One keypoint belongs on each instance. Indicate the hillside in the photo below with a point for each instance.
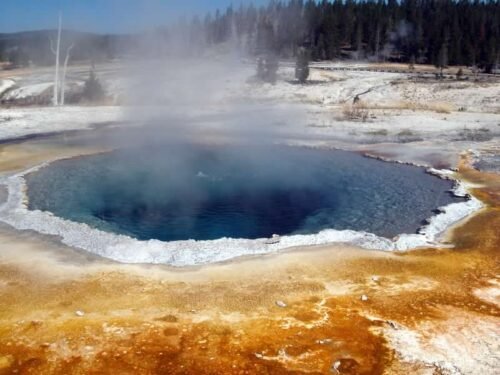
(23, 48)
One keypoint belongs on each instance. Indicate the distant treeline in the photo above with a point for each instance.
(439, 32)
(423, 31)
(34, 47)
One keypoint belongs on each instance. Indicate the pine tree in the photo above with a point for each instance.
(268, 61)
(302, 65)
(411, 64)
(93, 90)
(272, 65)
(442, 59)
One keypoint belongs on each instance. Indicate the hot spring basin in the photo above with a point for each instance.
(182, 192)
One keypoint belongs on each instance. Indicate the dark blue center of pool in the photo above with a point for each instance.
(185, 192)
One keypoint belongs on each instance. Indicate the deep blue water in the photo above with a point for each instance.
(187, 192)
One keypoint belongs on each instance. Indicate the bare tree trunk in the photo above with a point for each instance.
(63, 79)
(56, 52)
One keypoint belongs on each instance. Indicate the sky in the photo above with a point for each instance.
(103, 16)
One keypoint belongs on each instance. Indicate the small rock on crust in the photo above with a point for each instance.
(336, 366)
(345, 366)
(280, 304)
(79, 313)
(364, 298)
(392, 324)
(324, 341)
(274, 239)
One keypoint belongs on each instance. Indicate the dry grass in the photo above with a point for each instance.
(355, 112)
(419, 68)
(363, 111)
(438, 107)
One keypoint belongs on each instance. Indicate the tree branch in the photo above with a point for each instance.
(52, 46)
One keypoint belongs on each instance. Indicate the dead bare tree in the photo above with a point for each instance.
(65, 68)
(56, 51)
(60, 82)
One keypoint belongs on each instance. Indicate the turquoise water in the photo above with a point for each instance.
(186, 192)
